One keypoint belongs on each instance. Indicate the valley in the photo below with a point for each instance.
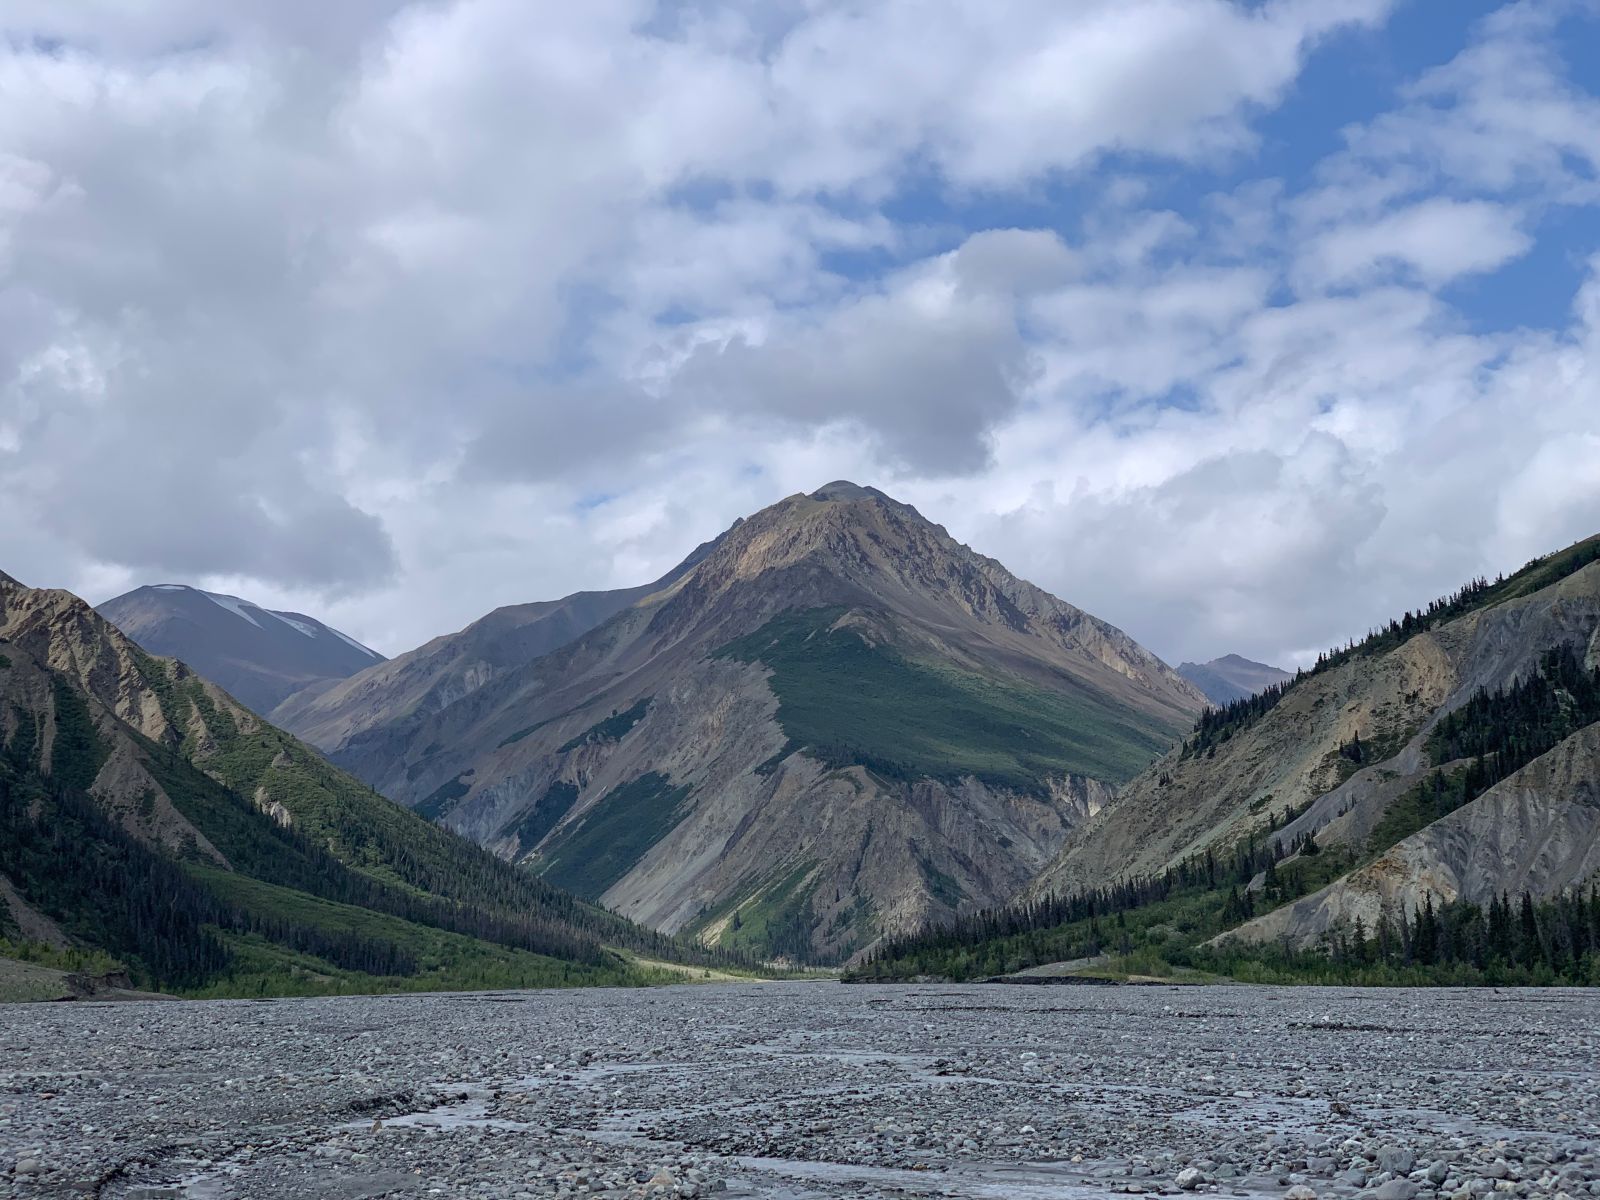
(802, 1091)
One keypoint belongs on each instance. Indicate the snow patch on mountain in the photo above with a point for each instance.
(234, 605)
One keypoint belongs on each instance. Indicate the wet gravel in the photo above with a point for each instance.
(798, 1090)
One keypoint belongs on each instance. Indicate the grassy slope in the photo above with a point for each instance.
(445, 961)
(850, 702)
(609, 840)
(371, 834)
(766, 917)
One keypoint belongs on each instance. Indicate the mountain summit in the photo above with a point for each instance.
(1231, 677)
(257, 654)
(832, 721)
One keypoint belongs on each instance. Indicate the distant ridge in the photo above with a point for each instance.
(258, 655)
(1231, 677)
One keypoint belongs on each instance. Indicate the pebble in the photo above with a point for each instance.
(811, 1089)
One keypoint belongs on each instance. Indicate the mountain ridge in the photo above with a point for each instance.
(1231, 677)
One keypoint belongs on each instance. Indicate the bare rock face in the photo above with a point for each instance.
(647, 765)
(1537, 831)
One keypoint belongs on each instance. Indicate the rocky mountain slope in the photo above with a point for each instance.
(146, 813)
(410, 687)
(256, 654)
(1537, 831)
(833, 721)
(1422, 806)
(1345, 745)
(1231, 677)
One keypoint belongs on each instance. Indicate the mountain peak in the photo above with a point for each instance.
(259, 655)
(843, 489)
(1231, 677)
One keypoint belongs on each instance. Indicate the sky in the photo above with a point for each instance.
(1244, 326)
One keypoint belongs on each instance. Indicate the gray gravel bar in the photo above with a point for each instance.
(815, 1089)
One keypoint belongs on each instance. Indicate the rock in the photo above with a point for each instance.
(27, 1166)
(1396, 1159)
(1190, 1178)
(1395, 1189)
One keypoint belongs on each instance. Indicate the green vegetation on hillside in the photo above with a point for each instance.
(608, 841)
(1215, 726)
(443, 799)
(545, 814)
(1159, 928)
(848, 701)
(389, 954)
(1497, 733)
(769, 918)
(386, 843)
(349, 893)
(100, 885)
(612, 729)
(1156, 924)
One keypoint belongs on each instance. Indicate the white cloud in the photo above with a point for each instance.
(1434, 241)
(347, 308)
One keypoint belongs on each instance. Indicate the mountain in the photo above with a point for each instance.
(154, 830)
(1383, 808)
(256, 654)
(410, 687)
(831, 722)
(1295, 751)
(1231, 677)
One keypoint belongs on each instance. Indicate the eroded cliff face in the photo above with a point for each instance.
(1537, 831)
(1290, 757)
(64, 657)
(44, 631)
(643, 746)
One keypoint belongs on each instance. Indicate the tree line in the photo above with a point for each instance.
(1218, 724)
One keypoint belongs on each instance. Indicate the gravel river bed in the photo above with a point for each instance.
(810, 1090)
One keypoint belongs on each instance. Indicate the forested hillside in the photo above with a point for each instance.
(148, 817)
